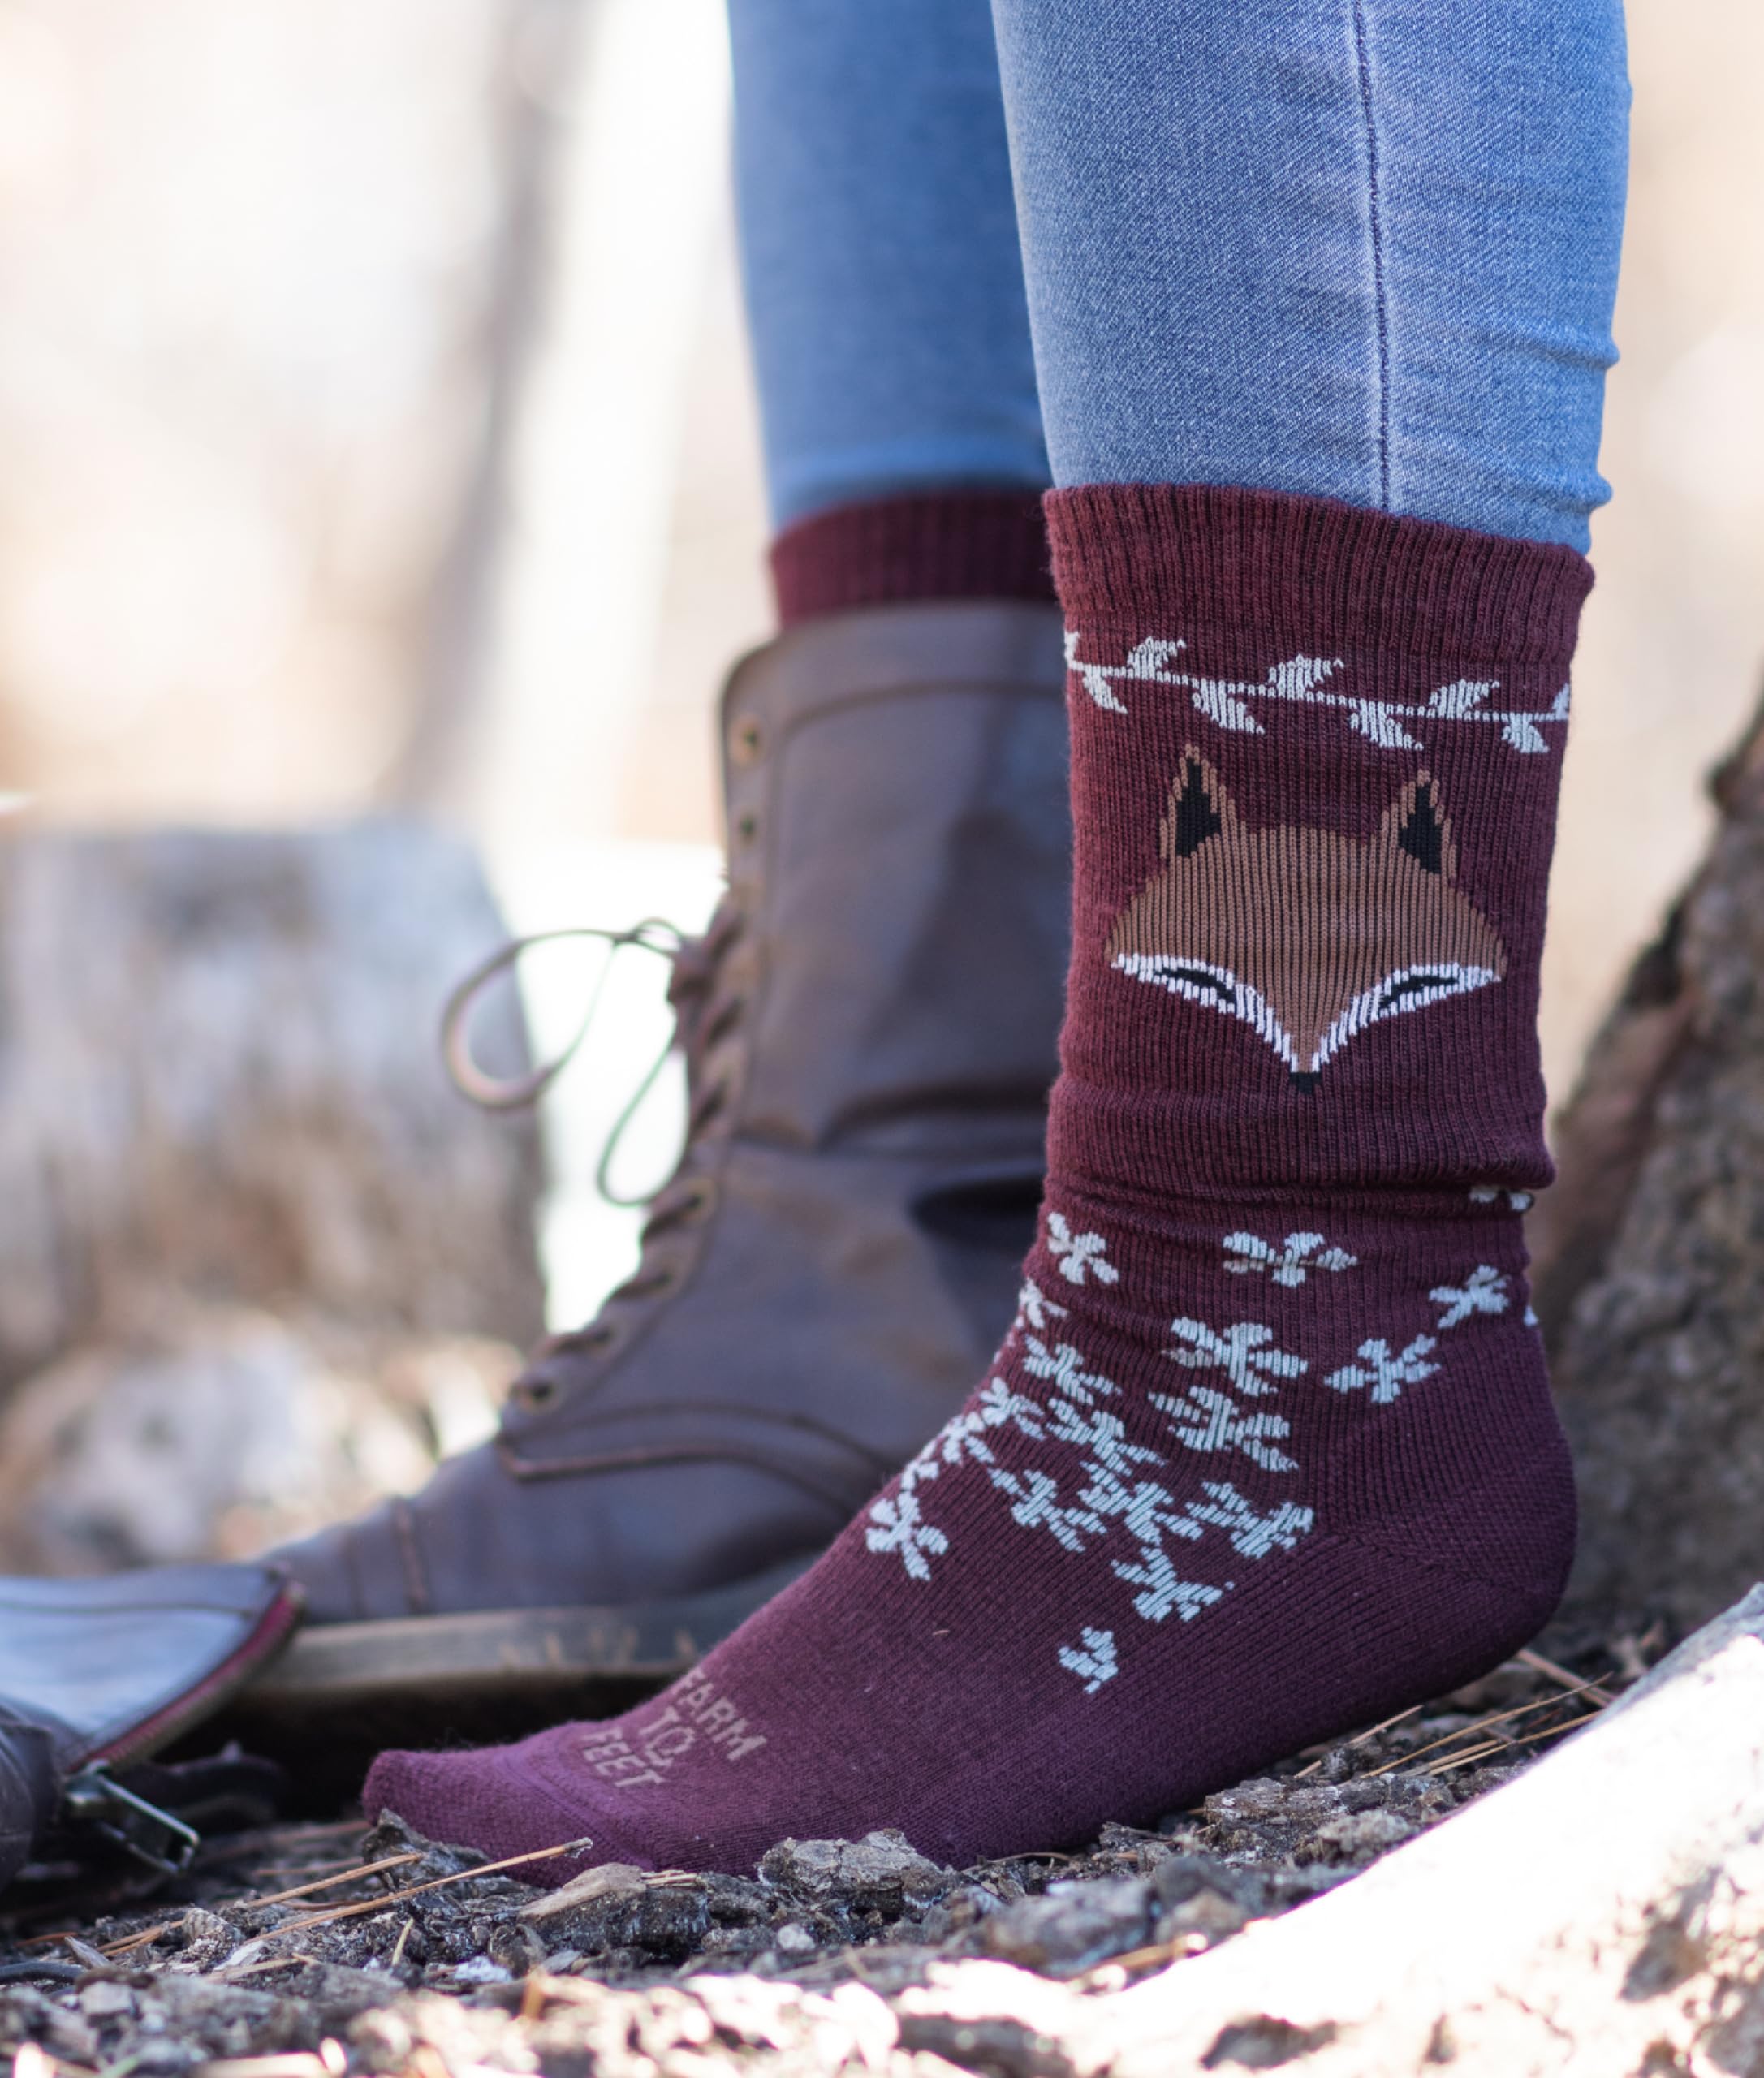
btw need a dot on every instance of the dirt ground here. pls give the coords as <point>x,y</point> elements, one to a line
<point>317,1951</point>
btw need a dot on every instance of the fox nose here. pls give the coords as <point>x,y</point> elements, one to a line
<point>1304,1079</point>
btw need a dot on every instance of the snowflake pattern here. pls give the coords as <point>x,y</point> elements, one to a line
<point>1062,1367</point>
<point>1205,1419</point>
<point>1079,1255</point>
<point>1163,1594</point>
<point>1035,1309</point>
<point>1484,1291</point>
<point>1385,1374</point>
<point>1244,1353</point>
<point>1095,1662</point>
<point>1037,1505</point>
<point>1493,1193</point>
<point>1248,1254</point>
<point>1310,680</point>
<point>896,1524</point>
<point>1111,1498</point>
<point>1253,1535</point>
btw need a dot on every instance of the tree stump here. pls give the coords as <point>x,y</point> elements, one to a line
<point>223,1120</point>
<point>1649,1252</point>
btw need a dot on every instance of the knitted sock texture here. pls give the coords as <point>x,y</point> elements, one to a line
<point>929,545</point>
<point>1268,1451</point>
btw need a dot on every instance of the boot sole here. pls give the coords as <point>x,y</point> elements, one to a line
<point>506,1656</point>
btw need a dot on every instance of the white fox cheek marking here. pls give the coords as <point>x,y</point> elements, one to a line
<point>1214,988</point>
<point>1409,987</point>
<point>1217,988</point>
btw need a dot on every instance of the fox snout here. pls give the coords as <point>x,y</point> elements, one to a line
<point>1306,936</point>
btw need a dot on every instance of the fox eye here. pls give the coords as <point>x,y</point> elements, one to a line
<point>1416,985</point>
<point>1203,978</point>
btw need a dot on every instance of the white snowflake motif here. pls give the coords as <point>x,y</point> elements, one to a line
<point>1386,1374</point>
<point>1096,1663</point>
<point>896,1524</point>
<point>1144,1510</point>
<point>1079,1255</point>
<point>1062,1367</point>
<point>1248,1254</point>
<point>1034,1309</point>
<point>1163,1592</point>
<point>1102,1434</point>
<point>1243,1352</point>
<point>1253,1535</point>
<point>1038,1506</point>
<point>964,1437</point>
<point>1493,1193</point>
<point>1209,1420</point>
<point>1484,1291</point>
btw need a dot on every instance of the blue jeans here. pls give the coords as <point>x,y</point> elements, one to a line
<point>1363,249</point>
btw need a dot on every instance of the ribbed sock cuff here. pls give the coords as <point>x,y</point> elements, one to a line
<point>1197,554</point>
<point>933,545</point>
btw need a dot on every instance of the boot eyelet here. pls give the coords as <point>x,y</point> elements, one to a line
<point>698,1204</point>
<point>534,1394</point>
<point>746,826</point>
<point>746,741</point>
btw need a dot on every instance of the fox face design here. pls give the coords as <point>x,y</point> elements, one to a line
<point>1306,936</point>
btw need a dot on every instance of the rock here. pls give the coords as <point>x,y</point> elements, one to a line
<point>1073,1926</point>
<point>1359,1835</point>
<point>880,1873</point>
<point>106,2000</point>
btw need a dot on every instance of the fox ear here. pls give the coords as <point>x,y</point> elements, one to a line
<point>1200,807</point>
<point>1417,822</point>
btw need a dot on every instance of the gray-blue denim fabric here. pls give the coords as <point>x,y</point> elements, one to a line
<point>1364,249</point>
<point>885,298</point>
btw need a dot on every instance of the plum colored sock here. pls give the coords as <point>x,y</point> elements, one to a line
<point>1269,1451</point>
<point>929,545</point>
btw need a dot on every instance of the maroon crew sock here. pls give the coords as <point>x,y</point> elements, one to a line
<point>1269,1451</point>
<point>968,544</point>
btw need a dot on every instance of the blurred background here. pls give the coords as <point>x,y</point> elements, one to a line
<point>376,436</point>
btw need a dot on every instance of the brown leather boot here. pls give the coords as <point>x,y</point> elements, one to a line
<point>869,1028</point>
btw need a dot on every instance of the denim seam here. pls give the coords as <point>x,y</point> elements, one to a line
<point>1363,59</point>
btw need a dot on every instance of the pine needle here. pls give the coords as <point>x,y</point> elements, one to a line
<point>1480,1725</point>
<point>1506,1745</point>
<point>1359,1739</point>
<point>417,1889</point>
<point>1562,1677</point>
<point>325,1883</point>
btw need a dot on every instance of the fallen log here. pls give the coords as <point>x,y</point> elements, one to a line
<point>238,1197</point>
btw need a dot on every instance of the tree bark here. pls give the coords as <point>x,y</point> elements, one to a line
<point>1650,1251</point>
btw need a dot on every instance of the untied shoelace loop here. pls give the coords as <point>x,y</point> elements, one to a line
<point>695,963</point>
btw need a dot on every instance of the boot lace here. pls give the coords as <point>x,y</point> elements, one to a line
<point>705,1012</point>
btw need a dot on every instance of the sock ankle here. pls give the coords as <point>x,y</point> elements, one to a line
<point>927,545</point>
<point>1268,1451</point>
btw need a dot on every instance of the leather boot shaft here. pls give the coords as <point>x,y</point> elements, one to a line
<point>900,844</point>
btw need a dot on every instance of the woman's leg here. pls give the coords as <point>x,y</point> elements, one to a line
<point>878,240</point>
<point>1360,249</point>
<point>1268,1450</point>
